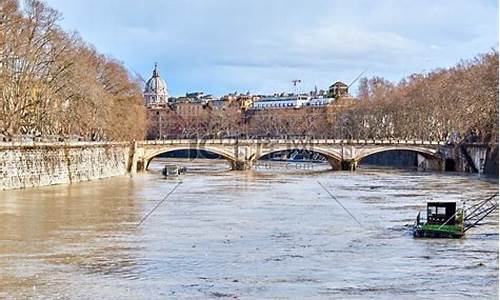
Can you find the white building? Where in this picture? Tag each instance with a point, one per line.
(320, 101)
(291, 101)
(288, 101)
(155, 91)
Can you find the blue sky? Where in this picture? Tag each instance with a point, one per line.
(221, 46)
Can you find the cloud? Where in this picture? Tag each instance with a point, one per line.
(225, 45)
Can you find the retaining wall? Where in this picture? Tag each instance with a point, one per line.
(25, 165)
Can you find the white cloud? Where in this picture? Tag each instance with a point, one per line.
(223, 45)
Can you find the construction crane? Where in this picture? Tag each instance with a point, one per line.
(295, 82)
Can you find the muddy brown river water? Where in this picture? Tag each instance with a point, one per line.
(271, 233)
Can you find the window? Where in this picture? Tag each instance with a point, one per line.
(431, 210)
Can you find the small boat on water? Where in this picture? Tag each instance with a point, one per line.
(444, 220)
(170, 170)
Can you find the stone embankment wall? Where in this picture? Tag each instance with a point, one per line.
(472, 158)
(491, 165)
(25, 165)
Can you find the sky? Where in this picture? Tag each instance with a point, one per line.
(224, 46)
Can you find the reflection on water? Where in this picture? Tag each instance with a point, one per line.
(272, 233)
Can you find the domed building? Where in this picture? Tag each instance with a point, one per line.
(155, 91)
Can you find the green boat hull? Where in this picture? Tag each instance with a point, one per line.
(438, 231)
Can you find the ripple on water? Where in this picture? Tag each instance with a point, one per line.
(248, 235)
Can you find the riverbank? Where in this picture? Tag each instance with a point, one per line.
(39, 164)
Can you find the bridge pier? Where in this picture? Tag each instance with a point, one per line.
(140, 166)
(349, 165)
(335, 163)
(240, 165)
(429, 164)
(132, 164)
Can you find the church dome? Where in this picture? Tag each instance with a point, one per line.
(155, 91)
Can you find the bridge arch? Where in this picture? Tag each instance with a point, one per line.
(427, 153)
(433, 158)
(332, 157)
(224, 154)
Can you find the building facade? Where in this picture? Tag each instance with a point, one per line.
(292, 101)
(338, 89)
(281, 101)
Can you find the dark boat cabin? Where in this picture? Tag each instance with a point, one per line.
(440, 212)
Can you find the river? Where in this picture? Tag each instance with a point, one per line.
(271, 233)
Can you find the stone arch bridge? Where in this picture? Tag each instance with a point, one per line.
(243, 153)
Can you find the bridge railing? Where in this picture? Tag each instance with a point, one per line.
(292, 141)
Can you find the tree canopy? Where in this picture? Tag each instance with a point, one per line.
(53, 83)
